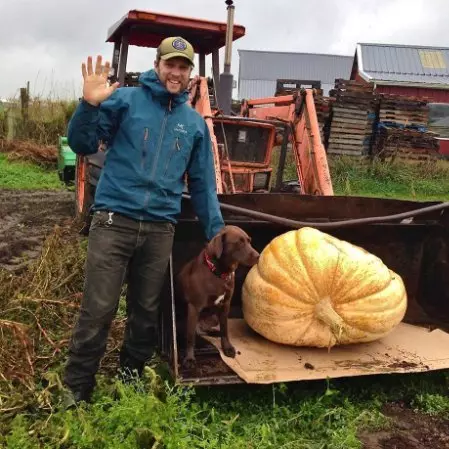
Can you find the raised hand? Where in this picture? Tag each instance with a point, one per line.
(96, 87)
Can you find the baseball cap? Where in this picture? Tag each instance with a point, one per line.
(172, 47)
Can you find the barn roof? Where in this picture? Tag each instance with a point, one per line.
(271, 65)
(403, 64)
(259, 70)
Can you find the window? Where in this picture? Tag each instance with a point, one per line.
(439, 119)
(432, 59)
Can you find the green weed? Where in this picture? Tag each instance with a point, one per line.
(401, 180)
(432, 404)
(27, 176)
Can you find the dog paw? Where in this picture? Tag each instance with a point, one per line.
(189, 363)
(229, 351)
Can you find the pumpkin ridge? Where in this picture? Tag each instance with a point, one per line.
(393, 314)
(351, 292)
(274, 252)
(346, 251)
(293, 299)
(394, 282)
(262, 263)
(306, 329)
(349, 277)
(298, 244)
(337, 265)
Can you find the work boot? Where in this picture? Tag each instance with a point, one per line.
(73, 398)
(130, 368)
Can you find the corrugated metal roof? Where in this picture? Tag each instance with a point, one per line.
(403, 64)
(266, 65)
(257, 66)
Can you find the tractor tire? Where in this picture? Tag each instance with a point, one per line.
(292, 186)
(87, 174)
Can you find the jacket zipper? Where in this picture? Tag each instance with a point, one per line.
(161, 138)
(176, 147)
(144, 147)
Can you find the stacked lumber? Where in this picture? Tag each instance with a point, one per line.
(351, 119)
(322, 107)
(401, 131)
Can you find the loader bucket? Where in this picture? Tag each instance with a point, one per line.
(417, 249)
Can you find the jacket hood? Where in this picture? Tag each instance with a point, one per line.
(150, 80)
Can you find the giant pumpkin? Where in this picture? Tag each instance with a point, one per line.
(312, 289)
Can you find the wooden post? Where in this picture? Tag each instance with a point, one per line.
(12, 116)
(24, 103)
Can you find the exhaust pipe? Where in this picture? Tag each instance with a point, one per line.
(229, 35)
(226, 78)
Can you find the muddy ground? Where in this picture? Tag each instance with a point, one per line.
(26, 218)
(409, 430)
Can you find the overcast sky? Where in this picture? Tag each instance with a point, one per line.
(45, 41)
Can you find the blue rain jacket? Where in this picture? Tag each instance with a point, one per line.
(153, 138)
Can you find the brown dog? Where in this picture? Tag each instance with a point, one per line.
(208, 281)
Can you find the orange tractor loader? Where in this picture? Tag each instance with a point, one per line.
(298, 111)
(412, 238)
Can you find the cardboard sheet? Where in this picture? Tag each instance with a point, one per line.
(407, 349)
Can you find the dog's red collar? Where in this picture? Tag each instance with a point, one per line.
(212, 267)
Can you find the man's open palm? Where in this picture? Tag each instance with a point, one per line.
(96, 87)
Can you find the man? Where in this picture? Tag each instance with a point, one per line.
(153, 137)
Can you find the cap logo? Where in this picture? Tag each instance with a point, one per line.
(179, 44)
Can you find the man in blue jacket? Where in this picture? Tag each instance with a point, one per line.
(153, 138)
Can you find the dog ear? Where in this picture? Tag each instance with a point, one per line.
(216, 245)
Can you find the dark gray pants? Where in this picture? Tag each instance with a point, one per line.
(118, 244)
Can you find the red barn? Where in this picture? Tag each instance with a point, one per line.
(409, 70)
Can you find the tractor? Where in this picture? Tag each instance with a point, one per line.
(411, 237)
(66, 161)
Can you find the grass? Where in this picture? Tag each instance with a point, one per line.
(156, 414)
(163, 416)
(401, 180)
(27, 176)
(425, 181)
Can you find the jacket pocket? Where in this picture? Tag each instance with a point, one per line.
(144, 147)
(176, 149)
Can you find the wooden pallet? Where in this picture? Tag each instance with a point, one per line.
(355, 109)
(403, 110)
(351, 118)
(405, 144)
(345, 151)
(411, 154)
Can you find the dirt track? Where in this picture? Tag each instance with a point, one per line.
(26, 218)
